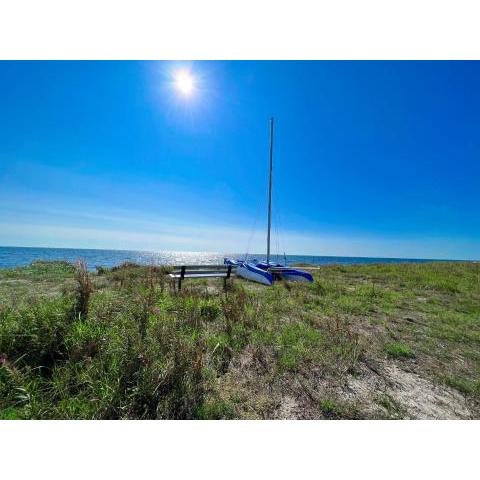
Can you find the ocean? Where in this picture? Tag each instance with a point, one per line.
(11, 257)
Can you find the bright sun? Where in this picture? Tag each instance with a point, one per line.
(184, 82)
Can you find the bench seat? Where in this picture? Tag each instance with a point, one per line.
(180, 273)
(200, 275)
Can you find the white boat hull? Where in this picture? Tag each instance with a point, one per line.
(254, 274)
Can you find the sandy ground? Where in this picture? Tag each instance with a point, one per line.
(378, 390)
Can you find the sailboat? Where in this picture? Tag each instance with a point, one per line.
(268, 272)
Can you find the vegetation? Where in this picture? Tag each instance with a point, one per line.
(398, 350)
(364, 341)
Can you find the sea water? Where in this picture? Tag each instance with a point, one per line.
(17, 256)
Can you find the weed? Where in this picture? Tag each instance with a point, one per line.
(297, 343)
(464, 385)
(330, 409)
(215, 410)
(11, 413)
(84, 288)
(209, 311)
(394, 409)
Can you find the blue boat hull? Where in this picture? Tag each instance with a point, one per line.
(267, 273)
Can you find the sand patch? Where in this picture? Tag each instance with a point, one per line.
(412, 395)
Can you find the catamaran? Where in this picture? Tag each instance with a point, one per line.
(267, 272)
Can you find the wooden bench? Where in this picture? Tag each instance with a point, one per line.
(202, 271)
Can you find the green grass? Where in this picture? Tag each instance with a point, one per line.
(10, 414)
(463, 385)
(297, 343)
(330, 409)
(215, 410)
(398, 350)
(393, 409)
(121, 343)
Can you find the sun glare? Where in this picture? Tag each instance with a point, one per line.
(184, 83)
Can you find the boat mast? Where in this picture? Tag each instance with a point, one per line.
(270, 191)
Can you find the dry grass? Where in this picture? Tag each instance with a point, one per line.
(84, 288)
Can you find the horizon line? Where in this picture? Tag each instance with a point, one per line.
(252, 254)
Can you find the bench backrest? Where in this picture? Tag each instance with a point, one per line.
(206, 269)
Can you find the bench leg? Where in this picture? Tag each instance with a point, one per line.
(229, 272)
(182, 275)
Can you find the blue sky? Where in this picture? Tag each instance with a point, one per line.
(370, 158)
